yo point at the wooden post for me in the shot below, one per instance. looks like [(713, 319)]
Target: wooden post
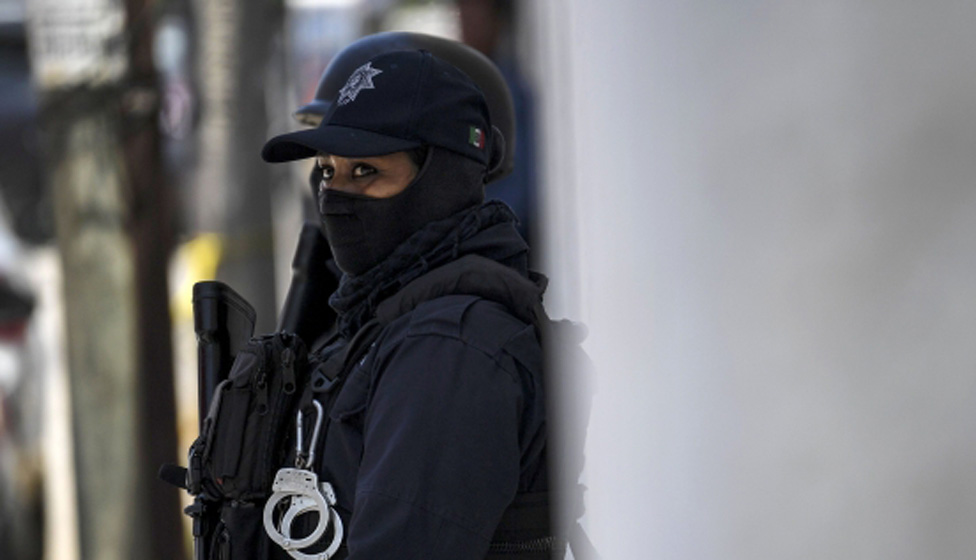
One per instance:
[(152, 226)]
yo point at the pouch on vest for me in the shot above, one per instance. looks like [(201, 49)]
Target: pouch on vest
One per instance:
[(241, 441)]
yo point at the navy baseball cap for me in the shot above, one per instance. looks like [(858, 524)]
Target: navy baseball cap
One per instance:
[(396, 101)]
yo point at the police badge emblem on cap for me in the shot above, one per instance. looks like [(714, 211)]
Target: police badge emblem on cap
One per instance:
[(361, 78)]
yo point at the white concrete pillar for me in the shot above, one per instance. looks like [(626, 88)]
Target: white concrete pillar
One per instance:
[(766, 214)]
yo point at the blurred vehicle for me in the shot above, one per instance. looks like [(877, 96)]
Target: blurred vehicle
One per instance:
[(21, 495)]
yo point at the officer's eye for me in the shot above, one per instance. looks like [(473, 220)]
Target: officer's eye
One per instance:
[(325, 164), (328, 172), (362, 170)]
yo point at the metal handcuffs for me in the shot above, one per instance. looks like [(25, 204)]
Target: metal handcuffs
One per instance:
[(300, 485)]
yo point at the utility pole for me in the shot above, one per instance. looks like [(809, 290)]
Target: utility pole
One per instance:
[(152, 229), (92, 64)]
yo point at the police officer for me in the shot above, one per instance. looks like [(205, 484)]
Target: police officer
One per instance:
[(427, 399)]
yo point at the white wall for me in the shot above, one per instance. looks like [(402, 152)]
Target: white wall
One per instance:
[(766, 213)]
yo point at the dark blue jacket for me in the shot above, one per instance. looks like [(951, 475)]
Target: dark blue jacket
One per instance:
[(441, 424)]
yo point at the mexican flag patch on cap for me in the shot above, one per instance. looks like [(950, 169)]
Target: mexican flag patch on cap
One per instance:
[(476, 137)]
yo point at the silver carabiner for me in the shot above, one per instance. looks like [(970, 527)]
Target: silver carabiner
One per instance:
[(300, 461)]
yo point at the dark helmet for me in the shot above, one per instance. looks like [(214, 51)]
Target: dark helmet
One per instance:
[(477, 66)]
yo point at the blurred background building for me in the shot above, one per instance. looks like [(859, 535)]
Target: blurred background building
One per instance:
[(765, 213)]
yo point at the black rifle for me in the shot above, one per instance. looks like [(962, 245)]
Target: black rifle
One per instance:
[(306, 312), (223, 322)]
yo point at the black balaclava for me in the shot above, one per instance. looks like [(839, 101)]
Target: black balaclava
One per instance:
[(363, 230)]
